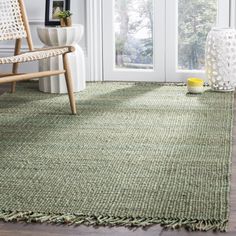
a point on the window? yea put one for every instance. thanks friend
(134, 34)
(195, 18)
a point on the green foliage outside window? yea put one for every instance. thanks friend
(196, 18)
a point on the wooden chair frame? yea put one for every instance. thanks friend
(15, 76)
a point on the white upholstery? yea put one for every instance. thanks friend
(11, 23)
(35, 55)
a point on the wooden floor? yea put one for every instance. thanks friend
(21, 229)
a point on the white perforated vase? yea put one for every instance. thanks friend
(221, 59)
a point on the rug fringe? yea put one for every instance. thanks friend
(78, 219)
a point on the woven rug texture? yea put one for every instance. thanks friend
(135, 155)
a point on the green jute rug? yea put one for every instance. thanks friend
(135, 155)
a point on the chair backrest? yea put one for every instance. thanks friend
(12, 25)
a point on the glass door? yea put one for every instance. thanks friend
(134, 40)
(158, 40)
(187, 25)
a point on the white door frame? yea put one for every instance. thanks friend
(94, 37)
(233, 13)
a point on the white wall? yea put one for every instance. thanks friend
(36, 14)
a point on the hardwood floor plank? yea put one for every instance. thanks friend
(11, 229)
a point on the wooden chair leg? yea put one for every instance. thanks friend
(69, 83)
(13, 87)
(16, 65)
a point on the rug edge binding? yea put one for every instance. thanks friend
(111, 221)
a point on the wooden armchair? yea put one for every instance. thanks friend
(14, 26)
